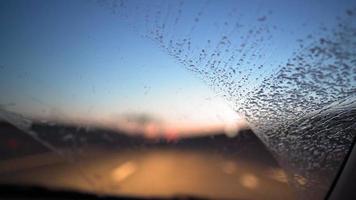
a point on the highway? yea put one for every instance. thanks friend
(150, 172)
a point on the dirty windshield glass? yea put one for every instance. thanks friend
(210, 99)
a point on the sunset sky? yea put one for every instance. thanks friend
(77, 61)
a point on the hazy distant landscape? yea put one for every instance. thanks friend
(16, 143)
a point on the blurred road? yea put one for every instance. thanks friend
(151, 172)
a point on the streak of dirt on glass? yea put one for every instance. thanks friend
(71, 152)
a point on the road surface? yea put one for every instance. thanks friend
(151, 172)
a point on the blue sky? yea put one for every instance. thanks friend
(79, 59)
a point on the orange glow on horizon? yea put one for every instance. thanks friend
(151, 131)
(227, 122)
(174, 131)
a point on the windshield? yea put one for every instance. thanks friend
(215, 99)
